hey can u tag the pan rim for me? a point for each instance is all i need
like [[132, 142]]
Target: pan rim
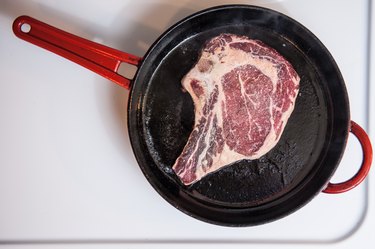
[[135, 97]]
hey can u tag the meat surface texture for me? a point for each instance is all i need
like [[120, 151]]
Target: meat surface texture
[[244, 93]]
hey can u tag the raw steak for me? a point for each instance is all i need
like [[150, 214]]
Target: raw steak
[[243, 93]]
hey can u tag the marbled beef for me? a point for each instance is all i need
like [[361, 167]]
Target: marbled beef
[[244, 93]]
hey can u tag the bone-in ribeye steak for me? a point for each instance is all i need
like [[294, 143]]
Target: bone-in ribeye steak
[[243, 93]]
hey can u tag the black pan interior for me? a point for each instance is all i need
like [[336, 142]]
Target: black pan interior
[[248, 192]]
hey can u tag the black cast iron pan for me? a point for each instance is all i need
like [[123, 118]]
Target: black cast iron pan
[[161, 115]]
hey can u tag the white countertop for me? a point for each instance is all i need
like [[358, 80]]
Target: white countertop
[[68, 177]]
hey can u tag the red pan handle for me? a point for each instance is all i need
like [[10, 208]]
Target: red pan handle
[[336, 188], [101, 59]]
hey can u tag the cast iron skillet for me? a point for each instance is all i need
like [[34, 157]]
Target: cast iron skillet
[[161, 115]]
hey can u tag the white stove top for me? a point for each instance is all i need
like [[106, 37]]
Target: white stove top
[[67, 172]]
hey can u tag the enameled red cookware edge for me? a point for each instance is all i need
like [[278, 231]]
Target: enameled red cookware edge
[[100, 59], [360, 134]]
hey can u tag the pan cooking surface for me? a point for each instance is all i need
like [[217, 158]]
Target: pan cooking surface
[[248, 192], [169, 119]]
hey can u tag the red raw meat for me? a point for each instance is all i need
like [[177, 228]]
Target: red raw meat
[[244, 93]]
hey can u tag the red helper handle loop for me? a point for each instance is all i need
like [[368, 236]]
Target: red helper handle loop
[[101, 59], [336, 188]]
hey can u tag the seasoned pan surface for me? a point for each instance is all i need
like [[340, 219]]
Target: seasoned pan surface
[[249, 192]]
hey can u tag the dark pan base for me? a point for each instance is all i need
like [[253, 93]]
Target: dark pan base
[[169, 119], [248, 192]]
